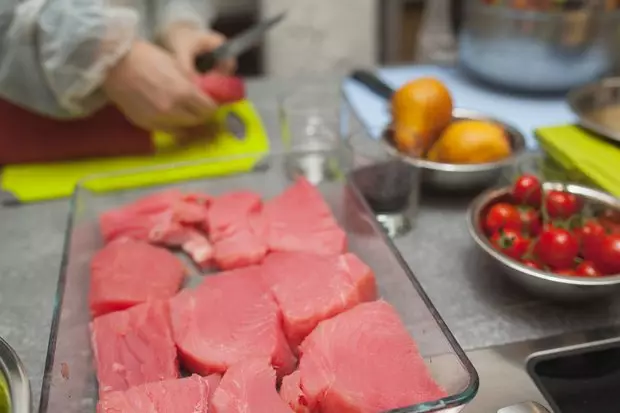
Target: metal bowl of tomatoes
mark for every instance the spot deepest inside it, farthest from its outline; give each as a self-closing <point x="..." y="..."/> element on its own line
<point x="558" y="240"/>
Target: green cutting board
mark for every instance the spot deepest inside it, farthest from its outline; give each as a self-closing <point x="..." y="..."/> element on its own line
<point x="575" y="148"/>
<point x="241" y="132"/>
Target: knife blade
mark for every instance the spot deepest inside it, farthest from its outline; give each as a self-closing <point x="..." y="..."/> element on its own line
<point x="236" y="46"/>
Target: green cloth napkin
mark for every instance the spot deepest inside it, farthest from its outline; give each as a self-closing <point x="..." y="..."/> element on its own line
<point x="577" y="149"/>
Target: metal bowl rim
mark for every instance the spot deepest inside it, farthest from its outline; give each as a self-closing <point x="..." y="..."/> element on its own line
<point x="490" y="196"/>
<point x="464" y="114"/>
<point x="16" y="378"/>
<point x="591" y="88"/>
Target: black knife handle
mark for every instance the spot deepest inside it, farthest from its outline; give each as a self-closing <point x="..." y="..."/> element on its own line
<point x="205" y="62"/>
<point x="372" y="82"/>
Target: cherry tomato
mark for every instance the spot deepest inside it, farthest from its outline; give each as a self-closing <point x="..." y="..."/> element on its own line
<point x="527" y="190"/>
<point x="587" y="269"/>
<point x="530" y="221"/>
<point x="511" y="243"/>
<point x="502" y="216"/>
<point x="532" y="264"/>
<point x="557" y="248"/>
<point x="591" y="236"/>
<point x="561" y="204"/>
<point x="610" y="220"/>
<point x="608" y="257"/>
<point x="566" y="271"/>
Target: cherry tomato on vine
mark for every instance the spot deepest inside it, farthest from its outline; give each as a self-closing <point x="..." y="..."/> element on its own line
<point x="587" y="269"/>
<point x="527" y="190"/>
<point x="502" y="216"/>
<point x="560" y="204"/>
<point x="557" y="248"/>
<point x="610" y="220"/>
<point x="608" y="257"/>
<point x="530" y="221"/>
<point x="591" y="235"/>
<point x="511" y="243"/>
<point x="566" y="271"/>
<point x="532" y="264"/>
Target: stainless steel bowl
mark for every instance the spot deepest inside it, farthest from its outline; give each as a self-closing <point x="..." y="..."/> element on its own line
<point x="462" y="177"/>
<point x="14" y="378"/>
<point x="552" y="286"/>
<point x="535" y="50"/>
<point x="597" y="105"/>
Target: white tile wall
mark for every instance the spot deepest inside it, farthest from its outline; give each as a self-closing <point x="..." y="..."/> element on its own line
<point x="321" y="36"/>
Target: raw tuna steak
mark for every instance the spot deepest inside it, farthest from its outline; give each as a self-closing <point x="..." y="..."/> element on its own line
<point x="167" y="218"/>
<point x="300" y="220"/>
<point x="384" y="371"/>
<point x="134" y="347"/>
<point x="236" y="244"/>
<point x="125" y="273"/>
<point x="228" y="318"/>
<point x="228" y="213"/>
<point x="188" y="395"/>
<point x="291" y="393"/>
<point x="242" y="249"/>
<point x="137" y="219"/>
<point x="310" y="288"/>
<point x="249" y="387"/>
<point x="214" y="382"/>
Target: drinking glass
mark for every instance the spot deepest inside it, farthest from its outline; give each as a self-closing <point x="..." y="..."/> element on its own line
<point x="390" y="185"/>
<point x="313" y="121"/>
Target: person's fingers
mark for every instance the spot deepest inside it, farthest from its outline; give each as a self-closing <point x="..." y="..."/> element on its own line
<point x="187" y="50"/>
<point x="186" y="59"/>
<point x="201" y="105"/>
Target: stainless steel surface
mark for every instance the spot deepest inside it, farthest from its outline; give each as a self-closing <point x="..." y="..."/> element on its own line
<point x="479" y="305"/>
<point x="538" y="51"/>
<point x="16" y="378"/>
<point x="597" y="105"/>
<point x="466" y="177"/>
<point x="504" y="380"/>
<point x="544" y="284"/>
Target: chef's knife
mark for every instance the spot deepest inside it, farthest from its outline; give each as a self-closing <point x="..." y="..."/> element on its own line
<point x="238" y="45"/>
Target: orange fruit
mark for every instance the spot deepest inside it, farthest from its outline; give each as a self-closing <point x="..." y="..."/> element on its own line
<point x="469" y="142"/>
<point x="421" y="109"/>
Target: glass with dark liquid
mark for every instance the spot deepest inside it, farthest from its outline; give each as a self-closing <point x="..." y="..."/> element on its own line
<point x="390" y="186"/>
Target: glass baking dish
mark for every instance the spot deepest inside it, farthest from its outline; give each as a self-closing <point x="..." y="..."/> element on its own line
<point x="69" y="384"/>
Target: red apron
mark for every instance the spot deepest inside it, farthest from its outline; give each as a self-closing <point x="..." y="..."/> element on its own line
<point x="26" y="137"/>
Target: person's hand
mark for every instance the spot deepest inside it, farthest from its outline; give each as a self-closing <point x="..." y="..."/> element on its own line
<point x="155" y="93"/>
<point x="186" y="42"/>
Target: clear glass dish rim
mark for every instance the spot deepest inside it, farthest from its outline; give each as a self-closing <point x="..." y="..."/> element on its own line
<point x="460" y="399"/>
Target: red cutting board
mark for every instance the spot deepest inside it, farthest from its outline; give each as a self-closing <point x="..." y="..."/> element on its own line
<point x="26" y="137"/>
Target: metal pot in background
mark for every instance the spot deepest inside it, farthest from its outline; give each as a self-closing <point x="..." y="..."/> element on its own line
<point x="537" y="51"/>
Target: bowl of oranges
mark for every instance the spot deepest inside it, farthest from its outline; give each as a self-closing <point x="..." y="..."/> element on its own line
<point x="456" y="149"/>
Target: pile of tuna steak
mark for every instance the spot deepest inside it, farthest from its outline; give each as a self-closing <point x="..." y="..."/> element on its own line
<point x="289" y="321"/>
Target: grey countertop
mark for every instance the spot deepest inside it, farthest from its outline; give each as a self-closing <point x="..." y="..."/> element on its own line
<point x="478" y="304"/>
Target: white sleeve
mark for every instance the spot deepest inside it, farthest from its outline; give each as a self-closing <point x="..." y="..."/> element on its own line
<point x="54" y="54"/>
<point x="193" y="12"/>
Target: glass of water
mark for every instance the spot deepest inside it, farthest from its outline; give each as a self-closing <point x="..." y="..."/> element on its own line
<point x="390" y="185"/>
<point x="312" y="124"/>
